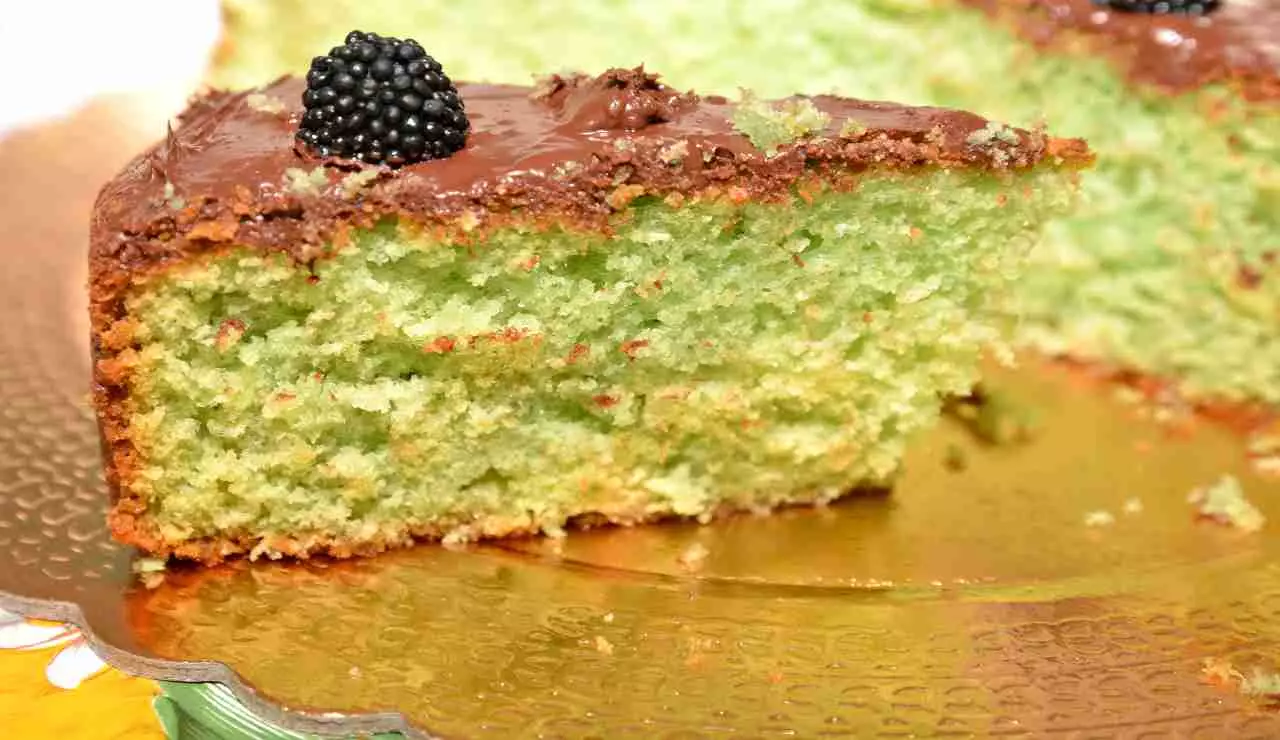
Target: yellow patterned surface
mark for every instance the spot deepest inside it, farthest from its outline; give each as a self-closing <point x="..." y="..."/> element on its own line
<point x="108" y="706"/>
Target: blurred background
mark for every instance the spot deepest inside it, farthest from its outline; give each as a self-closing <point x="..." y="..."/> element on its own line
<point x="152" y="50"/>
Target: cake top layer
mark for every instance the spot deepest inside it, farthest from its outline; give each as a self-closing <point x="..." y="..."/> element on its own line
<point x="1237" y="43"/>
<point x="575" y="147"/>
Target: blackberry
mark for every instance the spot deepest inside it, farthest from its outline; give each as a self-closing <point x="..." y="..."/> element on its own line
<point x="1161" y="7"/>
<point x="382" y="100"/>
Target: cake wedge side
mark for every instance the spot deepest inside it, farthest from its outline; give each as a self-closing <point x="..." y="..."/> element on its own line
<point x="616" y="303"/>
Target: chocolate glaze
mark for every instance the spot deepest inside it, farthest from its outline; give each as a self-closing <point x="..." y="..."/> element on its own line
<point x="618" y="100"/>
<point x="564" y="149"/>
<point x="1238" y="44"/>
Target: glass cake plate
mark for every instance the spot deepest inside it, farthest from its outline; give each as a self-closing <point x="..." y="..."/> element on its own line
<point x="1062" y="585"/>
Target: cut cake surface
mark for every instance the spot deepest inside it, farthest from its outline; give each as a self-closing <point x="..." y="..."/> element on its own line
<point x="612" y="305"/>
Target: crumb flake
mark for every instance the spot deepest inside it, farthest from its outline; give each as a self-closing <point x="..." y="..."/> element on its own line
<point x="265" y="103"/>
<point x="566" y="169"/>
<point x="355" y="182"/>
<point x="771" y="125"/>
<point x="1269" y="466"/>
<point x="1261" y="684"/>
<point x="150" y="572"/>
<point x="305" y="182"/>
<point x="1099" y="518"/>
<point x="171" y="198"/>
<point x="693" y="557"/>
<point x="852" y="129"/>
<point x="1220" y="672"/>
<point x="993" y="134"/>
<point x="674" y="154"/>
<point x="1264" y="452"/>
<point x="1133" y="506"/>
<point x="148" y="565"/>
<point x="1224" y="502"/>
<point x="603" y="646"/>
<point x="995" y="139"/>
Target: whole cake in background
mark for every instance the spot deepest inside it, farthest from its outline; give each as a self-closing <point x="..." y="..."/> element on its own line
<point x="1169" y="266"/>
<point x="342" y="312"/>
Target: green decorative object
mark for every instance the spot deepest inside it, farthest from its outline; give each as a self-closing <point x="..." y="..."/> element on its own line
<point x="209" y="711"/>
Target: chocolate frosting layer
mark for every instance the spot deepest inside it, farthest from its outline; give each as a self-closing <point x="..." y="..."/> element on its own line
<point x="576" y="149"/>
<point x="1238" y="43"/>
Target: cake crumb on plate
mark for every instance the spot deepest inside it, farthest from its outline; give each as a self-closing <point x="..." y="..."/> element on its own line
<point x="1224" y="502"/>
<point x="1099" y="518"/>
<point x="693" y="557"/>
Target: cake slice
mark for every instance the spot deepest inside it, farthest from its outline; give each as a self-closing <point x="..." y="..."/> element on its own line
<point x="1167" y="268"/>
<point x="614" y="302"/>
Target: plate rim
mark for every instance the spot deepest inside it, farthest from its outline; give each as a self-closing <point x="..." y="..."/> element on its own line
<point x="326" y="724"/>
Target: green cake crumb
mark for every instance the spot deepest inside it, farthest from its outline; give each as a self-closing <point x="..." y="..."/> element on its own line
<point x="306" y="182"/>
<point x="1261" y="684"/>
<point x="265" y="103"/>
<point x="993" y="134"/>
<point x="1099" y="518"/>
<point x="150" y="571"/>
<point x="851" y="129"/>
<point x="172" y="199"/>
<point x="148" y="565"/>
<point x="1224" y="502"/>
<point x="352" y="184"/>
<point x="565" y="169"/>
<point x="770" y="125"/>
<point x="1264" y="453"/>
<point x="994" y="138"/>
<point x="693" y="557"/>
<point x="674" y="154"/>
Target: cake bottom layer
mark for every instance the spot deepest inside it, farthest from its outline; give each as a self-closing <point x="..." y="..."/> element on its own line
<point x="703" y="357"/>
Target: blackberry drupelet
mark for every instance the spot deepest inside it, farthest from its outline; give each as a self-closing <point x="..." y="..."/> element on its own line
<point x="382" y="100"/>
<point x="1161" y="7"/>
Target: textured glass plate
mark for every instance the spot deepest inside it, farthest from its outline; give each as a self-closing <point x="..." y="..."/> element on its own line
<point x="972" y="601"/>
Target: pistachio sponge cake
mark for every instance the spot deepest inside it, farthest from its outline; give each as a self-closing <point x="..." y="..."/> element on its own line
<point x="1168" y="267"/>
<point x="343" y="313"/>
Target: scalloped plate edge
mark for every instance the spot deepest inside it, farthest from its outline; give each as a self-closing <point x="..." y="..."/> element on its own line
<point x="202" y="696"/>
